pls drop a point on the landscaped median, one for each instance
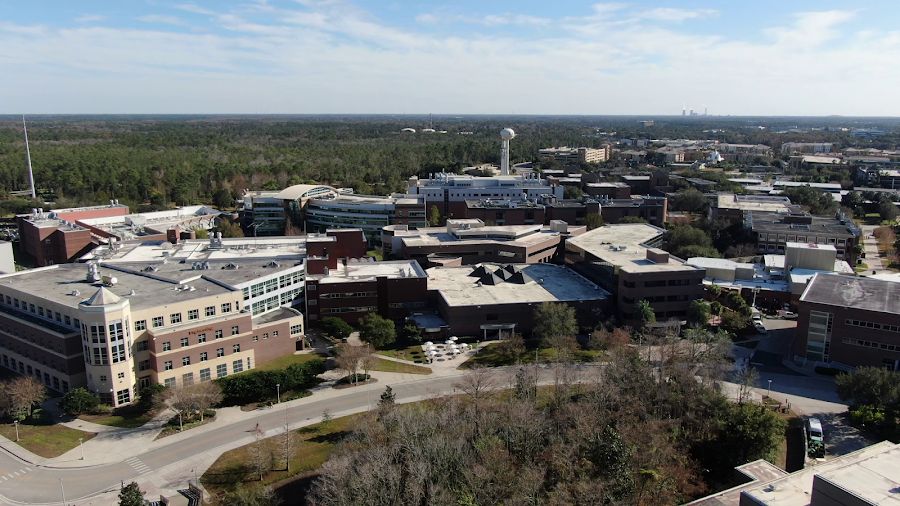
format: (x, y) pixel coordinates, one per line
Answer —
(494, 355)
(40, 435)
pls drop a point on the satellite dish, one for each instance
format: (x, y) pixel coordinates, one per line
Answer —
(507, 134)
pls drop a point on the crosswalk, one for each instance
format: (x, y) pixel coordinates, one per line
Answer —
(15, 474)
(138, 466)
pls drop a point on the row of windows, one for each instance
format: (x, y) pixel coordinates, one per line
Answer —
(187, 379)
(50, 381)
(801, 238)
(201, 338)
(40, 311)
(36, 358)
(871, 344)
(271, 285)
(347, 295)
(406, 304)
(175, 318)
(367, 309)
(39, 341)
(220, 352)
(262, 306)
(872, 325)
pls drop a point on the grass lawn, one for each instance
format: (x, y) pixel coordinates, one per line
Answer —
(314, 445)
(121, 421)
(285, 361)
(42, 437)
(488, 357)
(375, 253)
(861, 267)
(411, 353)
(400, 367)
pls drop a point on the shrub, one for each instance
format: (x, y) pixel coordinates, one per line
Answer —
(262, 384)
(79, 401)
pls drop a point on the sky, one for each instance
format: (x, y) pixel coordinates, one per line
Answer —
(760, 57)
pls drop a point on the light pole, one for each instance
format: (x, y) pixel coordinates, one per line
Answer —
(278, 386)
(769, 392)
(16, 423)
(81, 445)
(61, 487)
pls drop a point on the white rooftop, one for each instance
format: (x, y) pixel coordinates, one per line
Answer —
(364, 271)
(547, 283)
(196, 250)
(621, 245)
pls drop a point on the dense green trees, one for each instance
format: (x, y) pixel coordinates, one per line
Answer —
(377, 331)
(336, 328)
(255, 385)
(698, 313)
(552, 320)
(643, 315)
(817, 200)
(131, 495)
(687, 241)
(78, 401)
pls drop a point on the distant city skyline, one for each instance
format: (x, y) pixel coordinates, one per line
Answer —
(805, 58)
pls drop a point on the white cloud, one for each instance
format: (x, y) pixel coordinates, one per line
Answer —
(87, 18)
(331, 57)
(677, 15)
(156, 18)
(196, 9)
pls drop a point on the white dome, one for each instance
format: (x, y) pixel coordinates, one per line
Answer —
(507, 134)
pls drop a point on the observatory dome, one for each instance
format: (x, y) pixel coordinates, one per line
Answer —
(507, 133)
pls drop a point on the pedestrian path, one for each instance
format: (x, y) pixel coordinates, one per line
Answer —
(138, 466)
(16, 474)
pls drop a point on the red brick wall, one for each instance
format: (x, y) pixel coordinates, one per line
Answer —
(94, 213)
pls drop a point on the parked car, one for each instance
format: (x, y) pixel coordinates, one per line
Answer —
(787, 315)
(761, 328)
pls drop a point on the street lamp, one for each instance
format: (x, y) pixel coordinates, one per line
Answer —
(278, 386)
(81, 445)
(769, 393)
(16, 423)
(61, 487)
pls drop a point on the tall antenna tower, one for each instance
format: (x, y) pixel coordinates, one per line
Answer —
(28, 154)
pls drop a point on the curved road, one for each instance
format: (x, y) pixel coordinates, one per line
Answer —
(21, 484)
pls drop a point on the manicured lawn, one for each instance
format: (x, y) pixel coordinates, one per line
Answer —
(120, 421)
(400, 367)
(411, 353)
(285, 361)
(42, 437)
(487, 357)
(314, 445)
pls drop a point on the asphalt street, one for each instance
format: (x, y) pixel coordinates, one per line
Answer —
(27, 484)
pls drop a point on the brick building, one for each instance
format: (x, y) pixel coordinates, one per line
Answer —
(55, 237)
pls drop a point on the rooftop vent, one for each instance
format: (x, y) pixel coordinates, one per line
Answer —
(75, 293)
(230, 266)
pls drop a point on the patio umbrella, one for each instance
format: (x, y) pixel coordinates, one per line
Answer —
(427, 343)
(431, 348)
(456, 351)
(453, 338)
(432, 353)
(448, 342)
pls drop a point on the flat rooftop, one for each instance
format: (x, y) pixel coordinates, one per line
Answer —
(753, 203)
(621, 245)
(355, 271)
(59, 283)
(766, 221)
(543, 283)
(518, 235)
(199, 250)
(868, 294)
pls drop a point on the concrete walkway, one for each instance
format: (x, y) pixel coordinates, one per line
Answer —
(873, 259)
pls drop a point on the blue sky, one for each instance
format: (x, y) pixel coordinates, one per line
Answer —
(465, 57)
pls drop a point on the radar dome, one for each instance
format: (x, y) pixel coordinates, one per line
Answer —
(507, 134)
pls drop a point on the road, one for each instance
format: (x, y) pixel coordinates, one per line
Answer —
(20, 484)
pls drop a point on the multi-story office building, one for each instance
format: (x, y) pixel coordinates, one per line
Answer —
(505, 211)
(608, 190)
(153, 312)
(449, 192)
(774, 230)
(731, 207)
(470, 241)
(652, 209)
(575, 155)
(275, 212)
(850, 320)
(806, 147)
(365, 212)
(55, 237)
(358, 287)
(626, 261)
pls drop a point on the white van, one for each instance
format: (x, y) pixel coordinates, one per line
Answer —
(757, 316)
(814, 429)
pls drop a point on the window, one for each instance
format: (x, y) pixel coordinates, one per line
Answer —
(204, 375)
(167, 346)
(650, 284)
(234, 331)
(275, 334)
(237, 366)
(169, 382)
(40, 311)
(142, 345)
(184, 342)
(203, 357)
(221, 370)
(168, 365)
(77, 323)
(220, 352)
(124, 396)
(211, 311)
(186, 361)
(226, 307)
(157, 321)
(236, 348)
(118, 353)
(255, 338)
(121, 375)
(115, 331)
(103, 378)
(101, 357)
(140, 325)
(218, 334)
(175, 318)
(194, 314)
(187, 379)
(98, 333)
(57, 317)
(201, 338)
(143, 365)
(266, 335)
(296, 329)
